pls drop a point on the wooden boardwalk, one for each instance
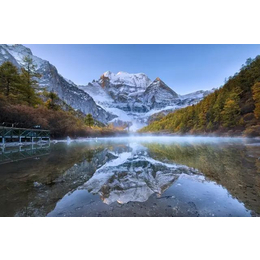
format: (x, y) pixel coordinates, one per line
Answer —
(13, 134)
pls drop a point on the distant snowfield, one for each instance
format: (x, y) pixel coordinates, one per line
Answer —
(139, 80)
(137, 120)
(133, 87)
(122, 98)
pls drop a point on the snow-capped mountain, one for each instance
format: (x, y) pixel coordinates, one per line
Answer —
(123, 99)
(159, 95)
(53, 81)
(134, 98)
(132, 82)
(197, 94)
(120, 86)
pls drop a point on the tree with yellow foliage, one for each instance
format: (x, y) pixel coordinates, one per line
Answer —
(256, 98)
(230, 113)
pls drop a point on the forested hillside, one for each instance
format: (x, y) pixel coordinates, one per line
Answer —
(233, 109)
(24, 104)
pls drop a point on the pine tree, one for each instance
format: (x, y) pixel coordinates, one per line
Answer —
(9, 80)
(237, 103)
(256, 98)
(89, 121)
(29, 78)
(230, 113)
(210, 126)
(52, 99)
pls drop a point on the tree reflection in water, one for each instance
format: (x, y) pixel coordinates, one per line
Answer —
(128, 178)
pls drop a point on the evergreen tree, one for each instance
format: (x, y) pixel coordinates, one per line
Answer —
(30, 84)
(231, 110)
(52, 99)
(237, 103)
(210, 126)
(256, 97)
(89, 121)
(230, 113)
(9, 80)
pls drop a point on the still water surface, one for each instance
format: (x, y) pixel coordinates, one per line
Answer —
(138, 176)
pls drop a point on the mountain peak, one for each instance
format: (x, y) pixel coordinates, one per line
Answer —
(159, 81)
(160, 91)
(53, 81)
(106, 74)
(17, 48)
(122, 72)
(137, 80)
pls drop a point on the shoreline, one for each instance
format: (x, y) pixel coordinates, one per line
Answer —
(16, 144)
(150, 135)
(230, 135)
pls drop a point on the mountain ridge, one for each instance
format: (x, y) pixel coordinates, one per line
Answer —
(53, 81)
(135, 102)
(233, 109)
(118, 98)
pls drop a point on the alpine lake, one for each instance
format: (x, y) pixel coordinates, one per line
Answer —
(136, 176)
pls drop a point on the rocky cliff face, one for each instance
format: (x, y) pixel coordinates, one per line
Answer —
(124, 88)
(159, 95)
(134, 98)
(122, 99)
(123, 82)
(53, 81)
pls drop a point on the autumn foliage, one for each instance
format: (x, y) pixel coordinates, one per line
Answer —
(24, 104)
(233, 109)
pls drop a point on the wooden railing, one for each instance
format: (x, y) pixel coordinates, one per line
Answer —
(14, 134)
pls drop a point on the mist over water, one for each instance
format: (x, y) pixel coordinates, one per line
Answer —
(133, 176)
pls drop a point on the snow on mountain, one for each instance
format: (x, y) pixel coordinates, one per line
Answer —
(17, 51)
(53, 81)
(97, 93)
(123, 99)
(158, 95)
(6, 56)
(120, 85)
(134, 98)
(197, 94)
(138, 81)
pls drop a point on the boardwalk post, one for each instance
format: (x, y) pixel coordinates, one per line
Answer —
(20, 137)
(17, 134)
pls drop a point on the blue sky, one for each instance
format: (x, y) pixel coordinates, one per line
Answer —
(184, 68)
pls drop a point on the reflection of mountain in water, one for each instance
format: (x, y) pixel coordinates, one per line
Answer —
(35, 190)
(118, 172)
(235, 167)
(124, 171)
(133, 176)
